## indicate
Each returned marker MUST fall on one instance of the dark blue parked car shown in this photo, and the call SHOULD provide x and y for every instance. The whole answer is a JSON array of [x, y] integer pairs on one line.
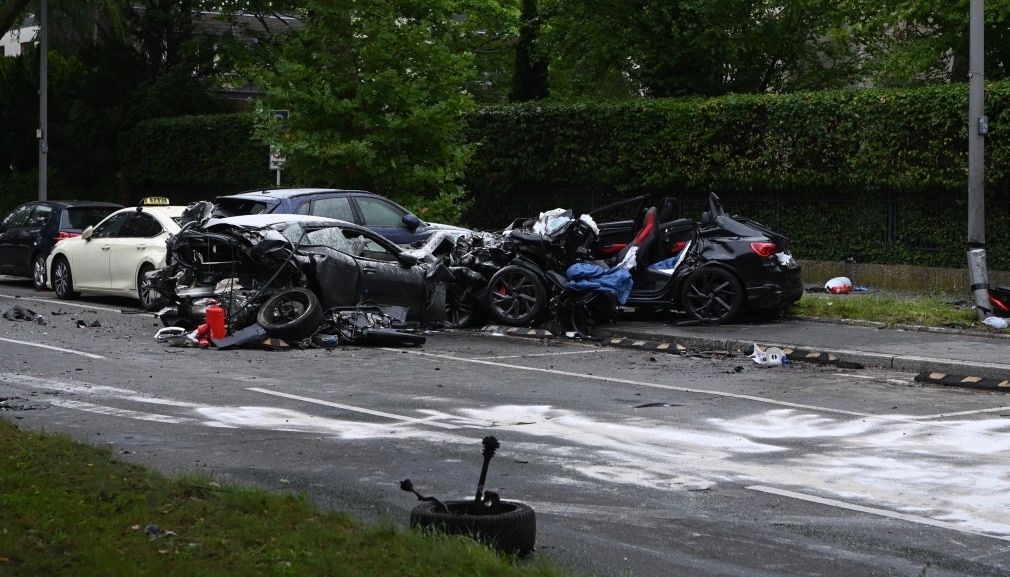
[[372, 211], [28, 234]]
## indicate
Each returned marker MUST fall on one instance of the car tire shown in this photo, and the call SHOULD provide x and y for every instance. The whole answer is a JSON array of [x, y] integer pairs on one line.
[[150, 299], [517, 296], [291, 315], [462, 308], [63, 279], [39, 271], [512, 531], [712, 295]]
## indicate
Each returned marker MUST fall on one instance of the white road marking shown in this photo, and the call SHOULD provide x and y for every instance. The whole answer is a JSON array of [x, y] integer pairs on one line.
[[599, 350], [113, 411], [65, 303], [355, 409], [871, 511], [52, 348]]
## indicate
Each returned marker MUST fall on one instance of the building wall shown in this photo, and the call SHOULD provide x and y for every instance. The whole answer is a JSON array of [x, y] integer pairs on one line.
[[11, 43]]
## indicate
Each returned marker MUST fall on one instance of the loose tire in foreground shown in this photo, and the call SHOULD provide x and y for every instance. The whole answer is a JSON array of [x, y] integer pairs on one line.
[[291, 315], [512, 531]]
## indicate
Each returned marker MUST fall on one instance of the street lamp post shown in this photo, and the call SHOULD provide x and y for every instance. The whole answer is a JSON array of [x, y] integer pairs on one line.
[[43, 131], [978, 127]]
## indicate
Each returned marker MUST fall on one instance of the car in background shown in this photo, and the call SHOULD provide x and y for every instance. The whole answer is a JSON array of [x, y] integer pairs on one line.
[[372, 211], [30, 232], [114, 256]]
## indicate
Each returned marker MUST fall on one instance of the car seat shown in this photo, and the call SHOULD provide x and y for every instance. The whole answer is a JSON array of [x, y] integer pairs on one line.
[[644, 239]]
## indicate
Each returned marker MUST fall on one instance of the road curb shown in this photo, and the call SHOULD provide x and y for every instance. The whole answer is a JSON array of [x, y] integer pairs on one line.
[[965, 381]]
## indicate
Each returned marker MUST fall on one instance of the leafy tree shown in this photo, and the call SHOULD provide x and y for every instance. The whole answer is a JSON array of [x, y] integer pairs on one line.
[[375, 90], [703, 47], [530, 80]]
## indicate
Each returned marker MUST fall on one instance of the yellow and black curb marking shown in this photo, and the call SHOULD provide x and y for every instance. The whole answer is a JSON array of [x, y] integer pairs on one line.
[[519, 331], [658, 346], [820, 358], [963, 381]]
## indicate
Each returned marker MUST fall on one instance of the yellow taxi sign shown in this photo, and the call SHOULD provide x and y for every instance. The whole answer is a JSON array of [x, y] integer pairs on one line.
[[155, 201]]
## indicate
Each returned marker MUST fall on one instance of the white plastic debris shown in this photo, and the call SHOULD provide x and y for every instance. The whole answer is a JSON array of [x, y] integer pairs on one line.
[[839, 285], [996, 322], [769, 357]]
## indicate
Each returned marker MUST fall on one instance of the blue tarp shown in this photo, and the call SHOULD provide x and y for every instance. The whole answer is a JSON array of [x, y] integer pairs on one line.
[[584, 276]]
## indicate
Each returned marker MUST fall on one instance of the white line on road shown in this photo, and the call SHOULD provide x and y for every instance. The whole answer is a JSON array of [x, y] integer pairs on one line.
[[64, 303], [355, 409], [113, 411], [52, 348], [871, 510], [550, 354]]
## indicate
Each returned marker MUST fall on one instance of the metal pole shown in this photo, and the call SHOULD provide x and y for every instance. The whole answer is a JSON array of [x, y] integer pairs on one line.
[[43, 131], [978, 127]]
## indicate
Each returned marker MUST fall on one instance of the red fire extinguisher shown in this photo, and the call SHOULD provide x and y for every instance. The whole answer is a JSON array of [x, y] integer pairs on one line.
[[215, 321]]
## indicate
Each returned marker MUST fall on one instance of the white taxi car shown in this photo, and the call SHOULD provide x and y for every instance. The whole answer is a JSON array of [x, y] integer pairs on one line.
[[114, 256]]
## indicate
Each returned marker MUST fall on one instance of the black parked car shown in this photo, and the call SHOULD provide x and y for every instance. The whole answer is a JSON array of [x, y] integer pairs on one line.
[[28, 234], [363, 208]]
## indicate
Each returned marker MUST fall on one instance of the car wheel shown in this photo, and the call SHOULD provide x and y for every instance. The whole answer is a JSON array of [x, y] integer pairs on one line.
[[63, 279], [150, 299], [461, 308], [517, 296], [291, 315], [712, 295], [513, 530], [39, 272]]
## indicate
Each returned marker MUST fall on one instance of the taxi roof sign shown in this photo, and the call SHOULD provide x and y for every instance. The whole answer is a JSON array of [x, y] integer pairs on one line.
[[155, 201]]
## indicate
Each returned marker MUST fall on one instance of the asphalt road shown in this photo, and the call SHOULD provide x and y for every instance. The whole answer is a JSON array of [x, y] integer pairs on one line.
[[636, 463]]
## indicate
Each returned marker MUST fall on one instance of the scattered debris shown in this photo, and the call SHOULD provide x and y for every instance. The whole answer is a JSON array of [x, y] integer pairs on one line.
[[768, 357]]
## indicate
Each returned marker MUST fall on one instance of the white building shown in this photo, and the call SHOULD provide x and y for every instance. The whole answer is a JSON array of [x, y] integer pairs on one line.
[[18, 39]]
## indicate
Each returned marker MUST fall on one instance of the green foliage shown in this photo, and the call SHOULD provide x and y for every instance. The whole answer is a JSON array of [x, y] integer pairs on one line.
[[374, 95], [211, 151]]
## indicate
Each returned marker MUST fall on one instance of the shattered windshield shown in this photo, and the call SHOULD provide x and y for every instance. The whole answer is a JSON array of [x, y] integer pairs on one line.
[[332, 237]]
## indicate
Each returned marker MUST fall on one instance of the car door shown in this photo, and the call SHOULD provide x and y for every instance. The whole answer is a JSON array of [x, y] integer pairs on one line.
[[90, 260], [140, 239], [12, 233], [384, 280], [385, 218]]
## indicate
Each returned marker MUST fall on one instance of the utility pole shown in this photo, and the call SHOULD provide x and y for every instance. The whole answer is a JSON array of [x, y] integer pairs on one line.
[[42, 134], [978, 127]]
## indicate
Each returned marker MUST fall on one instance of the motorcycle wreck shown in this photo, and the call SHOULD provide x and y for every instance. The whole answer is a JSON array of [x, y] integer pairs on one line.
[[293, 277], [577, 273]]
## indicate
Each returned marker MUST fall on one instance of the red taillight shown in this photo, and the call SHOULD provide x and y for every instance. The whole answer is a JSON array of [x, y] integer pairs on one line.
[[63, 234], [999, 304], [764, 249]]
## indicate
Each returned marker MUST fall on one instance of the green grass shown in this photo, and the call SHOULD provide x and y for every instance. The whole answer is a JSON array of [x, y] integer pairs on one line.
[[892, 309], [73, 510]]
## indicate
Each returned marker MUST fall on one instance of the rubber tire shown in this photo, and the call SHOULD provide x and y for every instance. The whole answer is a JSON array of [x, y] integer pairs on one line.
[[63, 280], [712, 295], [513, 531], [291, 315], [39, 272], [517, 296], [155, 300], [462, 309]]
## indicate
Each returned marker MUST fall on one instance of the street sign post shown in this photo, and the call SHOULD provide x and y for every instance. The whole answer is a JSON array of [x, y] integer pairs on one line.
[[277, 156]]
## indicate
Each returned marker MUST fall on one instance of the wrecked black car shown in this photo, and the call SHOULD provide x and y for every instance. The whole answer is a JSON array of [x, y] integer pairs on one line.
[[284, 272]]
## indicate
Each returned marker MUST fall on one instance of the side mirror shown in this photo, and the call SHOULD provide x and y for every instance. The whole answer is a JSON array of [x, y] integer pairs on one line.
[[406, 259], [411, 221], [86, 235]]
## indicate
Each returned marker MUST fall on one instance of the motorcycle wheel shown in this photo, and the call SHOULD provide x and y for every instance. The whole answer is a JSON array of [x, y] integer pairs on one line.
[[712, 295], [517, 296], [513, 530], [291, 315]]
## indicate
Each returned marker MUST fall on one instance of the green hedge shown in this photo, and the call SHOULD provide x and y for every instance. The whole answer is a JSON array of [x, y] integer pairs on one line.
[[877, 173]]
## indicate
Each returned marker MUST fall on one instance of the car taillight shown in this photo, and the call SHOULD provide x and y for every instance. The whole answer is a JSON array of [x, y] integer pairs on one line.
[[63, 234], [764, 249]]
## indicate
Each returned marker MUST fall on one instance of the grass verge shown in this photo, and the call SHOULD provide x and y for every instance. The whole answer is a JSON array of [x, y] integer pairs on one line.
[[892, 309], [70, 509]]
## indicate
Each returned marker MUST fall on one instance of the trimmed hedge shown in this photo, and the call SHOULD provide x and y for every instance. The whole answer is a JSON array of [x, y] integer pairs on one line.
[[877, 173]]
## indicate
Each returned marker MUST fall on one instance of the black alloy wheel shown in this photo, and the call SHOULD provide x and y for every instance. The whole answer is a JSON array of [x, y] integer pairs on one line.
[[517, 296], [712, 295]]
